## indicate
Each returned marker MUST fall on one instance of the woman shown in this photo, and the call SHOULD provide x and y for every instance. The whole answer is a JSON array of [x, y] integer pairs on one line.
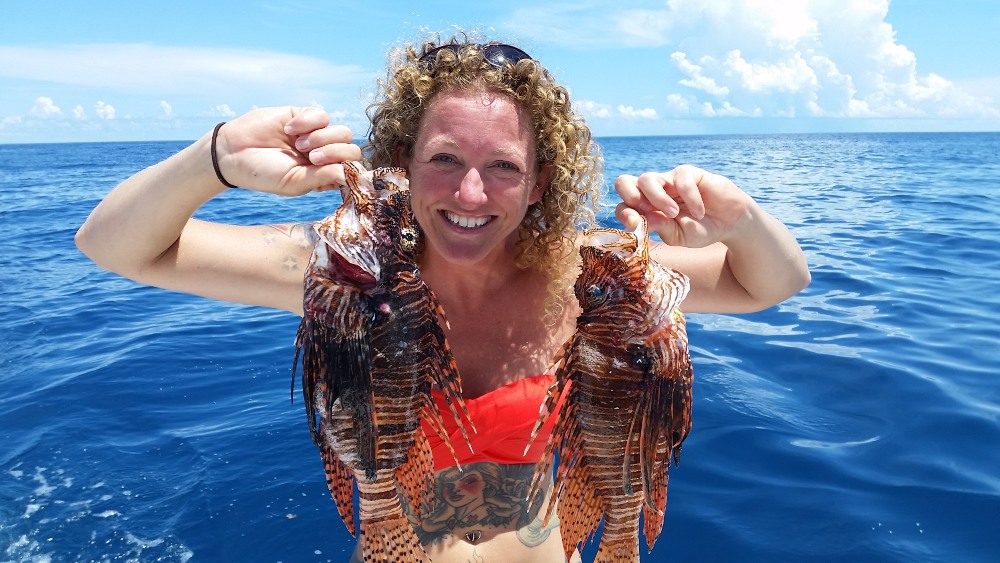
[[501, 173]]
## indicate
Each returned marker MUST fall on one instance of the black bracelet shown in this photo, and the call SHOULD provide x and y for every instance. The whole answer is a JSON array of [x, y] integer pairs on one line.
[[215, 157]]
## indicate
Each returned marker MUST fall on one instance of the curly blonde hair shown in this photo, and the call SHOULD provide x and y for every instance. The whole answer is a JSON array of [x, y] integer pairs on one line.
[[562, 139]]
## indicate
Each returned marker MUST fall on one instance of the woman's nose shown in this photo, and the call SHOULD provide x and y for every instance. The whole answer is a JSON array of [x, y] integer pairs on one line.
[[471, 192]]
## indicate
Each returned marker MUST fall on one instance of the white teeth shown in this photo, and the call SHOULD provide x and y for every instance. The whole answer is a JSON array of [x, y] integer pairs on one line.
[[467, 222]]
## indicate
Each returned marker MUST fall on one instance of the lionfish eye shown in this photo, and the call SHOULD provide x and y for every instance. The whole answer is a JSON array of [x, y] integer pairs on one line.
[[595, 294], [409, 238], [642, 361]]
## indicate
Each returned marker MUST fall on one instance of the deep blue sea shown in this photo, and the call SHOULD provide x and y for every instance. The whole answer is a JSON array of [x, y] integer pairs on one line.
[[858, 421]]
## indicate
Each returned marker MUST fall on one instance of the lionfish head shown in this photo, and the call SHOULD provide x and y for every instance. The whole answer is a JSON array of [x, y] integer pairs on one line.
[[613, 267], [375, 217]]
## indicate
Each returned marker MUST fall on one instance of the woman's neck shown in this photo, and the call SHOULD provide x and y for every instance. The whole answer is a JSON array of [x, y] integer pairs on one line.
[[476, 283]]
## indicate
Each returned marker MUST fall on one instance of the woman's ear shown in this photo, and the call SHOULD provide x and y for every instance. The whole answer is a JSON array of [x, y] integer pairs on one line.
[[541, 183], [401, 157]]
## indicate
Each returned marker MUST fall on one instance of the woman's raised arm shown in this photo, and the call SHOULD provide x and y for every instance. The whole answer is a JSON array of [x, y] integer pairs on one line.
[[143, 229]]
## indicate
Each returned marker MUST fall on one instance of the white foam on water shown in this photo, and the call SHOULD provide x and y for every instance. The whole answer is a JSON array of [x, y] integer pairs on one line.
[[54, 509]]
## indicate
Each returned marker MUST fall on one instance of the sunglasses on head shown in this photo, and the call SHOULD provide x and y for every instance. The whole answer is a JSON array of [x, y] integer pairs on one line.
[[496, 54]]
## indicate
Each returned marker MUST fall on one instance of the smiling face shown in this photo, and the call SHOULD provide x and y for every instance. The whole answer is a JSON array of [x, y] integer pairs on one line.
[[472, 175]]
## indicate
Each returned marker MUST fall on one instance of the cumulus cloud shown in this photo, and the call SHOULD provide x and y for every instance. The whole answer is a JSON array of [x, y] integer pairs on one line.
[[807, 58], [825, 58], [596, 110], [79, 112], [168, 110], [223, 110], [696, 79], [45, 107], [104, 111], [592, 109], [630, 112]]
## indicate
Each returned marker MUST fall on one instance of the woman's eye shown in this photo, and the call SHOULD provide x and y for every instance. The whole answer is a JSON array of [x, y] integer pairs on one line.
[[504, 165], [447, 158]]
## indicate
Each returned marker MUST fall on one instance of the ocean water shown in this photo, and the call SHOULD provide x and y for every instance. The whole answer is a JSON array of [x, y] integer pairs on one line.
[[858, 421]]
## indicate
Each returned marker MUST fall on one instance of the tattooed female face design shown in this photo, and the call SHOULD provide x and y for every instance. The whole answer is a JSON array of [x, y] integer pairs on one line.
[[467, 490]]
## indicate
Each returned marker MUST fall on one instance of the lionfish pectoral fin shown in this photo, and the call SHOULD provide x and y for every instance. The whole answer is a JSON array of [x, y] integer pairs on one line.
[[446, 375], [555, 391], [449, 382], [450, 385], [438, 309], [580, 508], [432, 414], [562, 356], [350, 372], [340, 481], [546, 409], [415, 476], [299, 340], [655, 507], [391, 540], [565, 438]]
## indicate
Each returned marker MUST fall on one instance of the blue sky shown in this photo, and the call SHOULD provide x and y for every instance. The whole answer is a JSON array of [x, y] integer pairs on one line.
[[113, 70]]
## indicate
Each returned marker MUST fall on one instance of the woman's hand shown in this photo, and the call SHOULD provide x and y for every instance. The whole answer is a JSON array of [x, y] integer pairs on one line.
[[686, 206], [287, 151], [758, 263]]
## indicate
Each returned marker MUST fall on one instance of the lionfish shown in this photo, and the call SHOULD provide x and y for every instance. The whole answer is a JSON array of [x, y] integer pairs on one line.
[[626, 376], [372, 347]]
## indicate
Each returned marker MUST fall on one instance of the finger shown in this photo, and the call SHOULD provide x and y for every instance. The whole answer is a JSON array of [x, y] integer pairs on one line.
[[329, 176], [688, 182], [305, 120], [665, 226], [628, 216], [335, 153], [307, 179], [627, 187], [328, 135], [654, 188]]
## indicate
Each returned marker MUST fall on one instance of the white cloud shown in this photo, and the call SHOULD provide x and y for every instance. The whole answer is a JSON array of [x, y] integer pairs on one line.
[[792, 74], [811, 57], [596, 110], [153, 69], [592, 109], [697, 80], [45, 107], [790, 58], [79, 112], [678, 105], [168, 110], [630, 112], [104, 111], [223, 110]]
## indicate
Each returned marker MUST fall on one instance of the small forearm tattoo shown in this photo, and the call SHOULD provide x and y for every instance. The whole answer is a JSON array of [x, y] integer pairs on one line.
[[302, 233]]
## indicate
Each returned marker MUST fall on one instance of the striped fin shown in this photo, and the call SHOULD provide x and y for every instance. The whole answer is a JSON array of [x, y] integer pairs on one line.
[[340, 481], [415, 477], [386, 534]]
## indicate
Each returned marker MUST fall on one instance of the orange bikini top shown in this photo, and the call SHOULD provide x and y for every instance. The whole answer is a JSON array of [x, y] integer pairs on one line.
[[503, 417]]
